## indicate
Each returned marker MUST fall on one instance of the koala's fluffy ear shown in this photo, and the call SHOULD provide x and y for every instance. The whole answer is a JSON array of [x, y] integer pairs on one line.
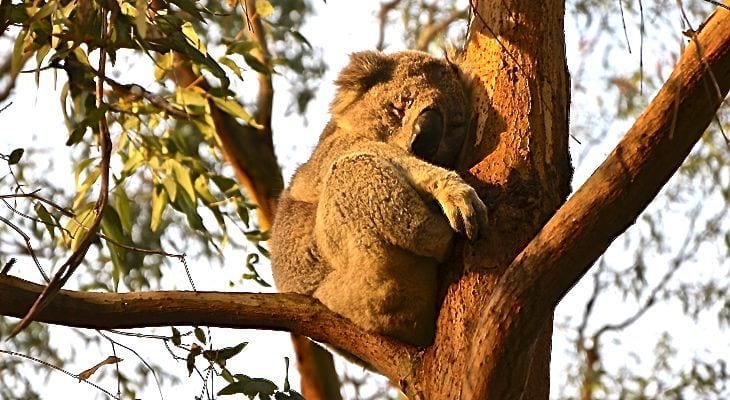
[[365, 70]]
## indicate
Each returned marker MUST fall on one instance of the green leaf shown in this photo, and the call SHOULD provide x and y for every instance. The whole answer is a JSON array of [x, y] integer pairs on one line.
[[264, 8], [189, 7], [122, 203], [301, 39], [183, 178], [241, 47], [191, 97], [200, 335], [233, 388], [39, 56], [228, 186], [232, 65], [44, 11], [232, 107], [222, 355], [201, 188], [82, 189], [187, 206], [84, 215], [140, 20], [226, 374], [15, 156], [111, 226], [176, 337], [47, 219], [160, 200], [250, 387], [17, 59], [164, 63], [76, 135], [243, 213], [170, 186], [195, 351], [257, 65]]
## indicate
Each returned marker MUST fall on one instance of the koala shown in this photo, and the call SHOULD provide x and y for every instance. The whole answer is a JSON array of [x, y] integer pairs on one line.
[[366, 221]]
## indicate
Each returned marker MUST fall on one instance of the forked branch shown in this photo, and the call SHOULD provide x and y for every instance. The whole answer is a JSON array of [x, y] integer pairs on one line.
[[603, 208]]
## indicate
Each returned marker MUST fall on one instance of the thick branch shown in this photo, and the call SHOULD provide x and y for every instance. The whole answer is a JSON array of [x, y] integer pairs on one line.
[[285, 312], [604, 207]]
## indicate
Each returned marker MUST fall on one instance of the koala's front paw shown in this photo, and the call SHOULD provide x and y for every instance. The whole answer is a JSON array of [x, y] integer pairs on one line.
[[465, 211]]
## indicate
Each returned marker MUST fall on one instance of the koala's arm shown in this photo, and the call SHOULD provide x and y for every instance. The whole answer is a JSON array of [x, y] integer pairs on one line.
[[459, 202]]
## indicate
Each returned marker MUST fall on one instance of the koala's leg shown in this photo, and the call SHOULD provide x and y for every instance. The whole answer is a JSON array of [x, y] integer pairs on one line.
[[383, 242], [295, 262]]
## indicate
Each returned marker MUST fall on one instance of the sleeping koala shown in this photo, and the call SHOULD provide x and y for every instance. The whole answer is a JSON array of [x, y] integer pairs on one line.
[[367, 220]]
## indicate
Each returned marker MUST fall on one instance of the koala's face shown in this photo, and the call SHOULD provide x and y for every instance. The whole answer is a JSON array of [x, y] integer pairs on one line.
[[409, 99]]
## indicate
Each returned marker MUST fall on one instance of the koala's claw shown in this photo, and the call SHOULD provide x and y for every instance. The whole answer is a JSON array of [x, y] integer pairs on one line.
[[465, 211]]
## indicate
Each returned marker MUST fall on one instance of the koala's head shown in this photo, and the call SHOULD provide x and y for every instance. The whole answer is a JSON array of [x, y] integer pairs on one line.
[[409, 99]]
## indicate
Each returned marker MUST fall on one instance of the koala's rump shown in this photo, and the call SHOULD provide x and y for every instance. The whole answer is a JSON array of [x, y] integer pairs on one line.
[[295, 261]]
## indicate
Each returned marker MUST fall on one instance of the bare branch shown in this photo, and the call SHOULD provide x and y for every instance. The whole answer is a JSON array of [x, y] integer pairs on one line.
[[28, 246], [429, 32], [59, 369], [385, 9], [296, 313]]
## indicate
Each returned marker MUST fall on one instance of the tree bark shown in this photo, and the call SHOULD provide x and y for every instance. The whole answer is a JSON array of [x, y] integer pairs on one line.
[[296, 313], [606, 205], [516, 59]]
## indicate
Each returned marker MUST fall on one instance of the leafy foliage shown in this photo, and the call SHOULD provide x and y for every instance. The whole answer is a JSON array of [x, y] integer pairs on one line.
[[172, 195]]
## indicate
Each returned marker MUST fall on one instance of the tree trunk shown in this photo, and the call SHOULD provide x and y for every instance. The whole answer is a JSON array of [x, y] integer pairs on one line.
[[521, 168]]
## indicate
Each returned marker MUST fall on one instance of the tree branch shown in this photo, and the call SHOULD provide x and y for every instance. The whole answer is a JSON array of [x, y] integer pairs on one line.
[[291, 312], [430, 31], [604, 207]]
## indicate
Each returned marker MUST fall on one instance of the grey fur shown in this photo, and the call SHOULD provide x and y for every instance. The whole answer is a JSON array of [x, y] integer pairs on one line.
[[365, 222]]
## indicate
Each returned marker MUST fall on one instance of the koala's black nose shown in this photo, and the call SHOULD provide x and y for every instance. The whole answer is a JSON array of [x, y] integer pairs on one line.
[[427, 133]]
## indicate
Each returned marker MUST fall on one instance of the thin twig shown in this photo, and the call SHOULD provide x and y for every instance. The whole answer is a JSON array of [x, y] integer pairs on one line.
[[136, 91], [717, 3], [430, 31], [623, 22], [677, 262], [28, 246], [385, 9], [33, 195], [34, 219], [59, 369], [641, 48], [139, 357]]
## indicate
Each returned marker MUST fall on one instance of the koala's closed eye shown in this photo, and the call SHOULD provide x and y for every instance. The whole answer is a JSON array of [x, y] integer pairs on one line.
[[428, 131]]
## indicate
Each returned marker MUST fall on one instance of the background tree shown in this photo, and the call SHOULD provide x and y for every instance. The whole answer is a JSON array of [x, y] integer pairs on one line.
[[169, 132]]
